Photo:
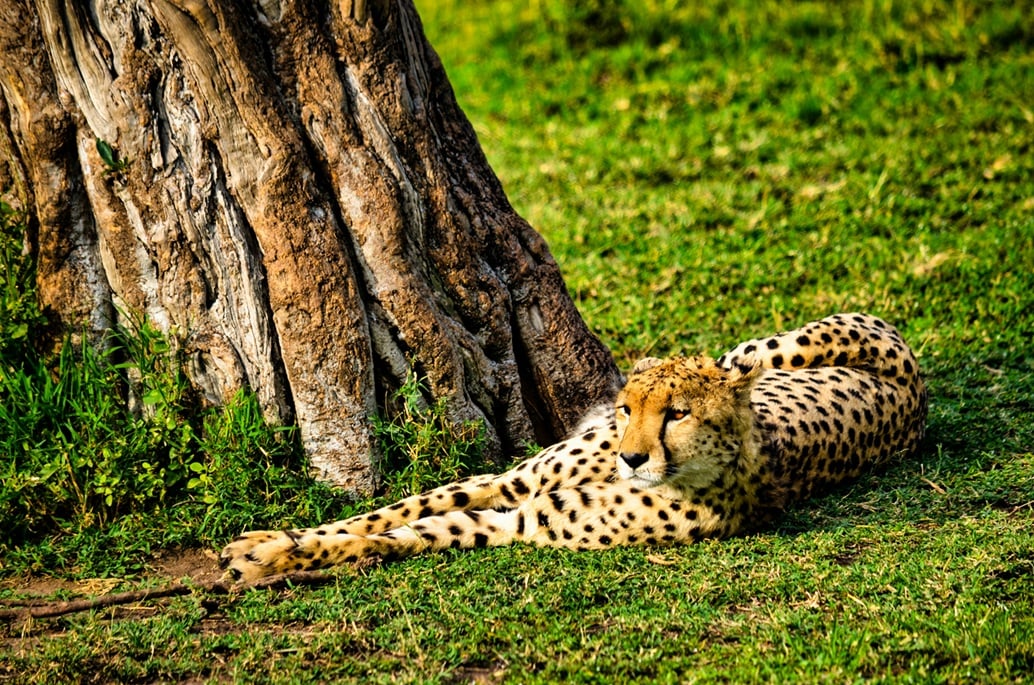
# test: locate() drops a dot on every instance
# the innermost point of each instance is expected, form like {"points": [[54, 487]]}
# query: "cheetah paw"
{"points": [[262, 553]]}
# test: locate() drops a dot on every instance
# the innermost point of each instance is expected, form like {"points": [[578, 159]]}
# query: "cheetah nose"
{"points": [[634, 460]]}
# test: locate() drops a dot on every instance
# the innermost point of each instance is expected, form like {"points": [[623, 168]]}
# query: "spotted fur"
{"points": [[691, 448]]}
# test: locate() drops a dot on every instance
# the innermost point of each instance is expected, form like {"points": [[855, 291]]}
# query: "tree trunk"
{"points": [[295, 195]]}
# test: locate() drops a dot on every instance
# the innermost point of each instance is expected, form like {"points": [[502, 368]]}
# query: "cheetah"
{"points": [[691, 448]]}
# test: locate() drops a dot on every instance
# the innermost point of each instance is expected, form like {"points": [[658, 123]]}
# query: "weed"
{"points": [[115, 166], [422, 446]]}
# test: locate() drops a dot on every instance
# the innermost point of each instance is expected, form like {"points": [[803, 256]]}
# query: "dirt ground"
{"points": [[195, 567]]}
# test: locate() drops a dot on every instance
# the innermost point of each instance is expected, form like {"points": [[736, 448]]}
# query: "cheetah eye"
{"points": [[677, 414], [624, 410]]}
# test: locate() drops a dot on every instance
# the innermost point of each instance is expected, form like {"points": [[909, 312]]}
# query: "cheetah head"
{"points": [[682, 421]]}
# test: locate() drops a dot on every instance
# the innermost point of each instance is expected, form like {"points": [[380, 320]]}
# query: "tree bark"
{"points": [[300, 201]]}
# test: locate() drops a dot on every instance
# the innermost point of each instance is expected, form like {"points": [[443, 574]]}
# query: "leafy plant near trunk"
{"points": [[103, 446], [422, 448]]}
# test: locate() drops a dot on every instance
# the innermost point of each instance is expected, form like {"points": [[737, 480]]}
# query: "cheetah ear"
{"points": [[644, 364], [742, 381]]}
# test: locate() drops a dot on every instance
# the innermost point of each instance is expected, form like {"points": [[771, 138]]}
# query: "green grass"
{"points": [[707, 172]]}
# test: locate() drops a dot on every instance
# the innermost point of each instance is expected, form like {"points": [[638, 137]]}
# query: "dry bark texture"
{"points": [[304, 206]]}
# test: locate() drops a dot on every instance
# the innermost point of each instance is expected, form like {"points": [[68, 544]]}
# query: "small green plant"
{"points": [[422, 447], [251, 475], [87, 480], [115, 167]]}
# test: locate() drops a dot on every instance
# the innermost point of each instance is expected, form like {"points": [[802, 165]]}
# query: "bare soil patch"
{"points": [[194, 565], [170, 567]]}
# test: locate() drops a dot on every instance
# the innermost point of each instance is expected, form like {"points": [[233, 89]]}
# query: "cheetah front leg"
{"points": [[584, 458], [590, 516], [318, 548], [263, 552]]}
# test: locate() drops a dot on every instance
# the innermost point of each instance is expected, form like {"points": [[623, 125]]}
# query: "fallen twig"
{"points": [[52, 609]]}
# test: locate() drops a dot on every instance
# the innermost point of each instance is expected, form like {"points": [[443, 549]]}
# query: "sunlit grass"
{"points": [[704, 173]]}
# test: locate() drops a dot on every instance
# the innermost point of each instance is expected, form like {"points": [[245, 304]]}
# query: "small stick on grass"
{"points": [[53, 609]]}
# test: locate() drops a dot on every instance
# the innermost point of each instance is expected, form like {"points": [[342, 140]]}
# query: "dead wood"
{"points": [[54, 609]]}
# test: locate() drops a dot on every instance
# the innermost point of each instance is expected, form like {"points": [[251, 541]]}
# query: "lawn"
{"points": [[703, 173]]}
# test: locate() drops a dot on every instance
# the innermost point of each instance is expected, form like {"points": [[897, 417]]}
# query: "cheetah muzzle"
{"points": [[692, 448]]}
